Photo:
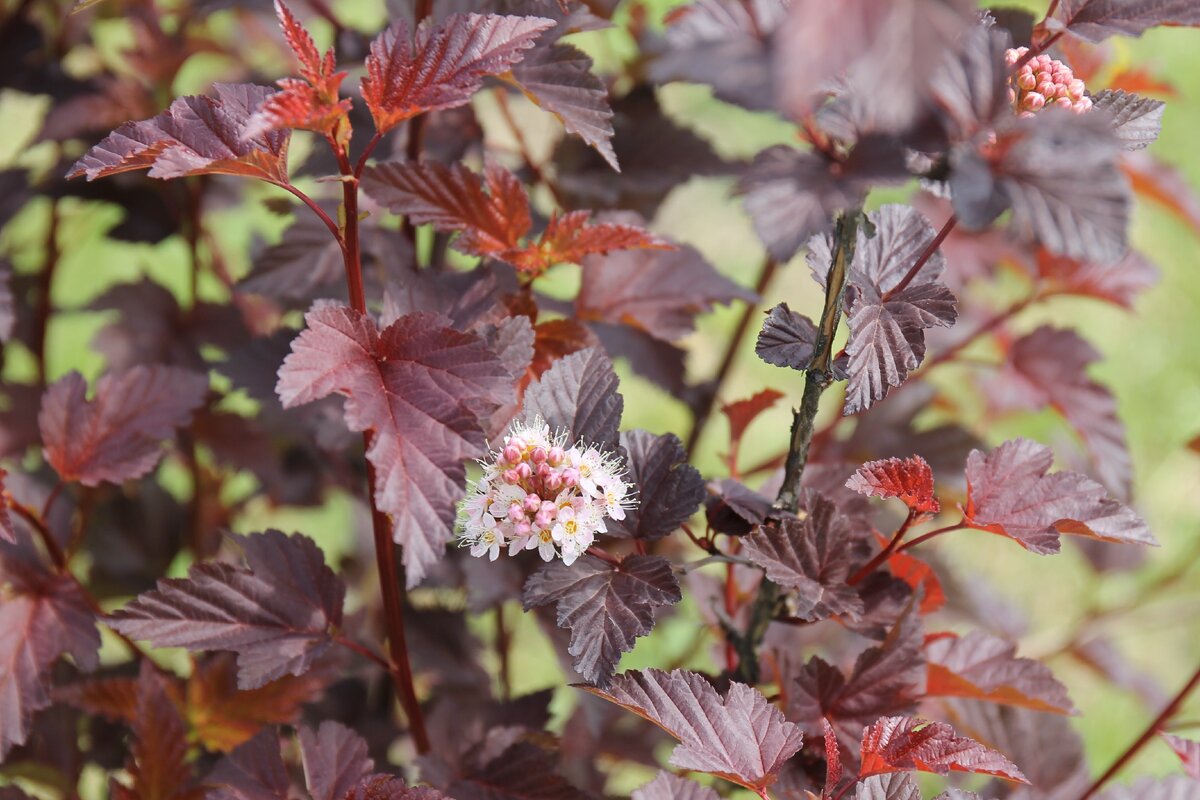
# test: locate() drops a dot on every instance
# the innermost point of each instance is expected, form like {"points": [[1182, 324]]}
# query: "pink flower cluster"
{"points": [[1042, 81], [537, 493]]}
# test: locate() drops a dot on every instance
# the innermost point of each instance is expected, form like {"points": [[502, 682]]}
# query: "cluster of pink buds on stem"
{"points": [[536, 492], [1043, 81]]}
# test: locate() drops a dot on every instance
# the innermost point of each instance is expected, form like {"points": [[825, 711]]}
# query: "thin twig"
{"points": [[924, 257], [1148, 734]]}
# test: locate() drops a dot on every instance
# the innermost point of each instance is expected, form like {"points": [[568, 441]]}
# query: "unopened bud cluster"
{"points": [[1043, 81], [537, 493]]}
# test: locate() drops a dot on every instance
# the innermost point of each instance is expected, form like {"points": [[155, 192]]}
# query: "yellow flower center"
{"points": [[570, 526]]}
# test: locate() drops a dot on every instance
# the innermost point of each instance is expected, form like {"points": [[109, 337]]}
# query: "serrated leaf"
{"points": [[669, 490], [658, 292], [1060, 175], [1049, 367], [833, 759], [7, 532], [887, 679], [983, 667], [158, 754], [254, 771], [1119, 283], [1188, 751], [1010, 493], [491, 215], [508, 764], [276, 612], [605, 606], [908, 479], [892, 786], [971, 85], [117, 435], [443, 64], [739, 736], [579, 396], [558, 78], [887, 323], [196, 135], [42, 618], [114, 698], [335, 759], [1137, 121], [903, 744], [1096, 20], [810, 555], [669, 786], [787, 339], [424, 390]]}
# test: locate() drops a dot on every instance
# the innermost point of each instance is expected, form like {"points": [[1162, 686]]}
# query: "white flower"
{"points": [[488, 540]]}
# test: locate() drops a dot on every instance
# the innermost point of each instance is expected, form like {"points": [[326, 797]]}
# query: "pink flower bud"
{"points": [[1082, 105], [517, 442], [553, 482], [538, 455], [524, 470], [1026, 81], [555, 456], [1076, 88], [511, 454], [515, 512], [532, 503], [570, 476], [1012, 96], [523, 528], [1046, 89], [1064, 102], [511, 476], [544, 470], [1044, 77], [1033, 101], [549, 507], [543, 520]]}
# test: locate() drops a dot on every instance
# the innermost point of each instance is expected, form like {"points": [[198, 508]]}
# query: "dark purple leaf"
{"points": [[810, 555], [668, 786], [508, 764], [903, 744], [733, 508], [892, 786], [659, 292], [605, 606], [197, 135], [887, 324], [8, 310], [158, 755], [739, 736], [1060, 175], [558, 78], [117, 435], [669, 490], [1011, 494], [254, 771], [276, 612], [1095, 20], [971, 86], [335, 760], [787, 339], [1172, 787], [1049, 367], [984, 667], [424, 391], [579, 396], [1136, 120]]}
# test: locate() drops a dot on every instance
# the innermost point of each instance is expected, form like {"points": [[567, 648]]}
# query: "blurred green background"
{"points": [[1152, 363]]}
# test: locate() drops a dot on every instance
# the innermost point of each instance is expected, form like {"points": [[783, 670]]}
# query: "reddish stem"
{"points": [[320, 212], [1148, 734], [924, 257], [603, 556], [385, 559], [958, 526], [363, 651], [362, 160], [38, 523], [883, 554], [708, 398], [538, 173]]}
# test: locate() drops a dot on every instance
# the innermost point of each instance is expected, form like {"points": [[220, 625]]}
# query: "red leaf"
{"points": [[44, 617], [7, 532], [276, 612], [443, 65], [558, 78], [158, 767], [320, 71], [1188, 751], [1118, 283], [909, 479], [740, 737], [555, 339], [984, 667], [833, 760], [1010, 493], [114, 699], [1048, 367], [919, 575], [904, 744], [194, 136], [424, 390], [493, 222], [810, 555], [1156, 180], [660, 293], [117, 435], [742, 412], [606, 607]]}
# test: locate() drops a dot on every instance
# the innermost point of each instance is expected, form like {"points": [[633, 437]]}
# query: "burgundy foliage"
{"points": [[455, 305]]}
